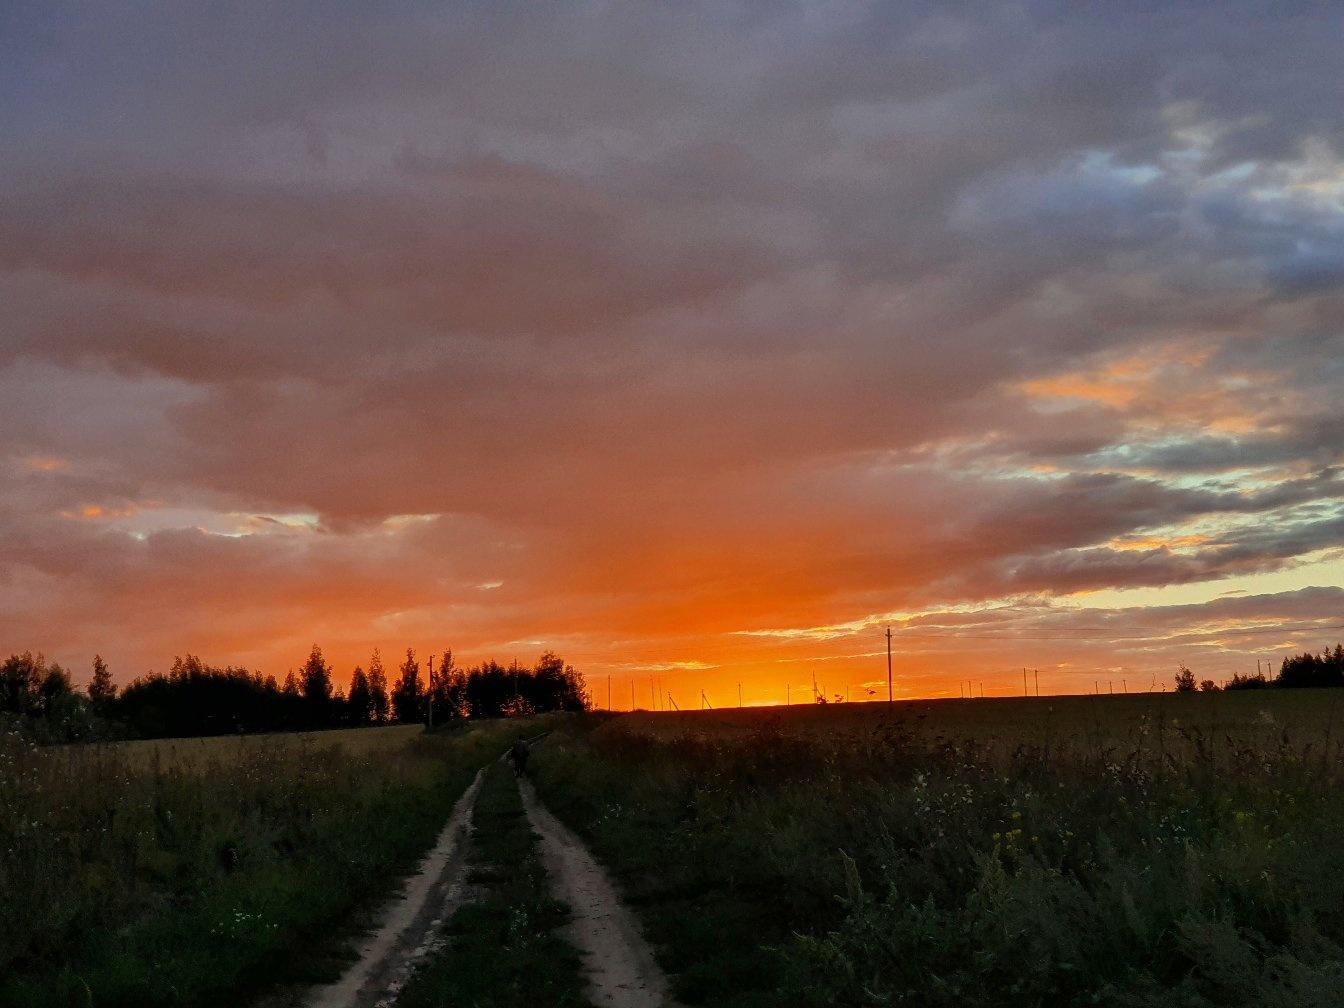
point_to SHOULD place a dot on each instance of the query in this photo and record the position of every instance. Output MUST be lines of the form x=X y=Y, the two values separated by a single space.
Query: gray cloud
x=719 y=315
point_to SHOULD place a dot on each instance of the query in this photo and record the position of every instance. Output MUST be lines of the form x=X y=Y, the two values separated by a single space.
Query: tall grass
x=131 y=879
x=1146 y=864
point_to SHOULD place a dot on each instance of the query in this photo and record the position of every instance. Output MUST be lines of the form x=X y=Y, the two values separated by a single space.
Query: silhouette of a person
x=518 y=753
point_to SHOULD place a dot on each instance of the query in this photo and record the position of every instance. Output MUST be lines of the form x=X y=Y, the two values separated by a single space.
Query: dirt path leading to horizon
x=410 y=924
x=619 y=966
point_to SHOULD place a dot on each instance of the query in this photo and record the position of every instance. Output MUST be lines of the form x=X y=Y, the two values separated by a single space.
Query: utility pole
x=739 y=696
x=430 y=704
x=1037 y=674
x=608 y=692
x=890 y=699
x=672 y=702
x=632 y=692
x=788 y=695
x=1025 y=691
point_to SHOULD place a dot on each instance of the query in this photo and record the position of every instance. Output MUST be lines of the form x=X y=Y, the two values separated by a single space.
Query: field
x=1165 y=851
x=187 y=752
x=1011 y=721
x=1160 y=850
x=196 y=871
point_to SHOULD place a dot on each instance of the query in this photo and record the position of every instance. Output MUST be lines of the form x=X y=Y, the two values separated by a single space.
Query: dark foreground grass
x=1178 y=870
x=503 y=949
x=127 y=881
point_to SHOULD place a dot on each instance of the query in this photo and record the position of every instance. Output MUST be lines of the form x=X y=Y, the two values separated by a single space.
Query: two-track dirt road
x=619 y=968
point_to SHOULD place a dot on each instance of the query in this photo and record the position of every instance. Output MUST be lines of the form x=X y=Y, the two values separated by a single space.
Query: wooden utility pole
x=739 y=696
x=430 y=704
x=705 y=700
x=788 y=695
x=1025 y=691
x=1037 y=674
x=890 y=697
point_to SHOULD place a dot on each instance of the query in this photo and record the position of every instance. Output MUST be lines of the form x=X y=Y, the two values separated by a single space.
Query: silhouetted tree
x=19 y=678
x=447 y=691
x=378 y=688
x=360 y=702
x=1244 y=682
x=1325 y=669
x=316 y=685
x=557 y=686
x=102 y=692
x=408 y=698
x=193 y=698
x=1208 y=686
x=1185 y=680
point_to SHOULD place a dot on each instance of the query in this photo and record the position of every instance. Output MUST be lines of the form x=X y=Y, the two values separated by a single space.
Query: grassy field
x=1012 y=721
x=188 y=752
x=194 y=872
x=1158 y=850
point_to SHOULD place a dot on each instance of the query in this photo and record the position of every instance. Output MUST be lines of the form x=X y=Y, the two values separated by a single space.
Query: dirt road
x=410 y=923
x=619 y=966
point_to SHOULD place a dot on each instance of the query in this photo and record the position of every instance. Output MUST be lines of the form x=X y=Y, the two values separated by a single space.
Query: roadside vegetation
x=1122 y=855
x=142 y=875
x=503 y=949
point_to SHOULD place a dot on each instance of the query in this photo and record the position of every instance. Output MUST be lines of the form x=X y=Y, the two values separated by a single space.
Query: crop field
x=1159 y=850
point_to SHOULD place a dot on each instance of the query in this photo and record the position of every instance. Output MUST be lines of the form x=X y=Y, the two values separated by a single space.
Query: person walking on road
x=518 y=754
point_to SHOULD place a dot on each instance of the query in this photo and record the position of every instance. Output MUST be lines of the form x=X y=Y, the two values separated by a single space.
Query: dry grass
x=187 y=752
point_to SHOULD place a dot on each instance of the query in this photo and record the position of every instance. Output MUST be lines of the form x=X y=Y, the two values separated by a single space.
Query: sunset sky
x=698 y=342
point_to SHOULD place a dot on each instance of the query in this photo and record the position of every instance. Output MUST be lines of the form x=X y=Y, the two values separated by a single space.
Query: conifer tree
x=316 y=685
x=360 y=703
x=101 y=689
x=378 y=688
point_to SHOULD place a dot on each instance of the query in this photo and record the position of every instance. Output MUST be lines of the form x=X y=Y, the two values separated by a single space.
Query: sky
x=696 y=342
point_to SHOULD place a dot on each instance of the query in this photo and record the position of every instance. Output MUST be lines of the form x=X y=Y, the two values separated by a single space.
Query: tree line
x=1306 y=670
x=194 y=698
